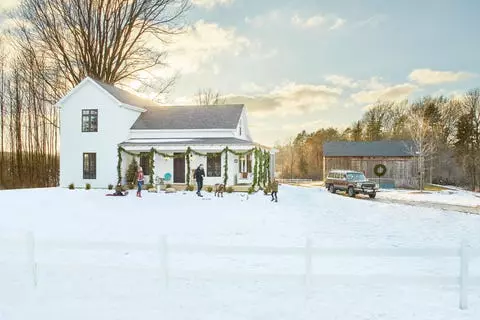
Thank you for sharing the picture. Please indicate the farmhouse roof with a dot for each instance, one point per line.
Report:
(158, 117)
(125, 96)
(189, 117)
(385, 148)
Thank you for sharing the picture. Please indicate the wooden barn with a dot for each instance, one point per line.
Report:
(397, 156)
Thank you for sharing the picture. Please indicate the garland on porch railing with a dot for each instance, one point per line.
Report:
(225, 167)
(258, 178)
(266, 180)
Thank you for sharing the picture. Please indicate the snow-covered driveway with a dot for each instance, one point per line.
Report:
(98, 257)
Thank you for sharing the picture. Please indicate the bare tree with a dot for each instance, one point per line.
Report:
(111, 40)
(423, 139)
(208, 97)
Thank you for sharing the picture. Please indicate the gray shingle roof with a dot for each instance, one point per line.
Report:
(386, 148)
(187, 141)
(159, 117)
(189, 117)
(126, 97)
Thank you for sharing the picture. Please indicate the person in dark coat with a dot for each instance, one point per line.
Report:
(274, 190)
(199, 174)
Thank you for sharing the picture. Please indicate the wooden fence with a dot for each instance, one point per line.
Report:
(165, 250)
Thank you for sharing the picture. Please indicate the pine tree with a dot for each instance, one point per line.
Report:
(132, 171)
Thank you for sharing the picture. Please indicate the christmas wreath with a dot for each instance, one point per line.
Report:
(380, 170)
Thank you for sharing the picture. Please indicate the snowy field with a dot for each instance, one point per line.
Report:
(230, 258)
(453, 197)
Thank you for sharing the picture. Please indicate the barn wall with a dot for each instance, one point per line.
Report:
(402, 170)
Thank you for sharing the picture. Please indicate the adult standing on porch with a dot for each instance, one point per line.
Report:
(139, 181)
(199, 174)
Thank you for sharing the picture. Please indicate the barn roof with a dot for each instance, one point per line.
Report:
(385, 148)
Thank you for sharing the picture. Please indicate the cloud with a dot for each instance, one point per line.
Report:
(200, 44)
(263, 19)
(373, 21)
(317, 21)
(429, 77)
(8, 4)
(395, 92)
(251, 87)
(209, 4)
(341, 81)
(339, 22)
(290, 98)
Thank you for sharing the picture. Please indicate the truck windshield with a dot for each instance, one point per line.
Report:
(356, 177)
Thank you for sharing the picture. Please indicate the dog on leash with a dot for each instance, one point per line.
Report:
(219, 189)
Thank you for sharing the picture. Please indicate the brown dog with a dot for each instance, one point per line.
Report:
(219, 188)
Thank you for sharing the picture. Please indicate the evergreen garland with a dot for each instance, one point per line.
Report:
(255, 169)
(260, 169)
(225, 167)
(267, 176)
(151, 162)
(261, 172)
(187, 155)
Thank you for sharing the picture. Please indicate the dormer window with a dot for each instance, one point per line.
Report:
(90, 120)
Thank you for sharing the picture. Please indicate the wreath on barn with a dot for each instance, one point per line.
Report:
(380, 170)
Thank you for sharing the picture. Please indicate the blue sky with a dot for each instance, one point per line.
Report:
(309, 64)
(297, 71)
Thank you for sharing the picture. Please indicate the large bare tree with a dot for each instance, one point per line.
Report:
(111, 40)
(208, 97)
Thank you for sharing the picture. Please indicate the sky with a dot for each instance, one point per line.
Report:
(303, 65)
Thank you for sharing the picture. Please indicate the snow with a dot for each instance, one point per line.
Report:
(453, 197)
(99, 257)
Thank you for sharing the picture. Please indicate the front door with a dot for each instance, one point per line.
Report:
(178, 169)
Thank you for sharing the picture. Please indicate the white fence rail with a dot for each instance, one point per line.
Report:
(165, 250)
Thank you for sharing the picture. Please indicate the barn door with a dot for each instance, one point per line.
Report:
(178, 169)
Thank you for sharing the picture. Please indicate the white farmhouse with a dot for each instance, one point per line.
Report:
(99, 122)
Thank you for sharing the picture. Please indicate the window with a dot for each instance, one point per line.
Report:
(89, 166)
(214, 165)
(145, 163)
(90, 120)
(245, 164)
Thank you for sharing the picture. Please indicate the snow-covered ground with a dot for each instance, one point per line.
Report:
(100, 257)
(454, 197)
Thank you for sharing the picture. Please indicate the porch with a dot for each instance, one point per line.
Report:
(175, 163)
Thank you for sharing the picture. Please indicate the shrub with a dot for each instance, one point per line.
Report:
(110, 186)
(229, 189)
(209, 189)
(190, 187)
(88, 186)
(251, 190)
(168, 185)
(124, 188)
(149, 186)
(71, 186)
(131, 186)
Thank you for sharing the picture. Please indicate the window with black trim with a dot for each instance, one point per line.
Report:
(89, 166)
(214, 165)
(90, 120)
(145, 163)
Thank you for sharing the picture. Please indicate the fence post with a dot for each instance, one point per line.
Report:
(164, 259)
(31, 257)
(464, 260)
(308, 263)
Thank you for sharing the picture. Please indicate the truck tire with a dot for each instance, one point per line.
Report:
(351, 192)
(372, 195)
(331, 188)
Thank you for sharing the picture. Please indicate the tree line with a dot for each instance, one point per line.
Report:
(446, 131)
(55, 44)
